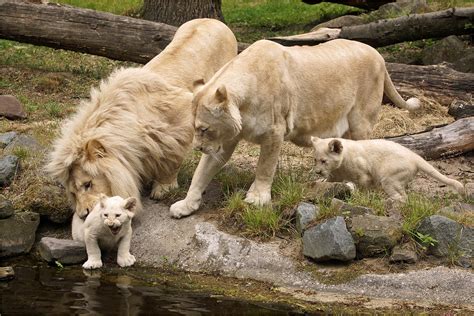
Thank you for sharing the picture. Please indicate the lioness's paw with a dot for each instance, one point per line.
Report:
(258, 198)
(92, 264)
(159, 189)
(126, 260)
(183, 208)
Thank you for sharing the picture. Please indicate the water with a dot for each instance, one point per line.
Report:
(46, 290)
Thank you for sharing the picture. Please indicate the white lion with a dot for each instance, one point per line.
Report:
(108, 225)
(373, 163)
(138, 126)
(271, 93)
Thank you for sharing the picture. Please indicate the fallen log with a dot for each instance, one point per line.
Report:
(447, 141)
(455, 21)
(363, 4)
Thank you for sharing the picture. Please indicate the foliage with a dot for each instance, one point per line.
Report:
(370, 199)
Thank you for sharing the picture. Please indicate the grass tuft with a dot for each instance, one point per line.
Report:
(370, 199)
(415, 210)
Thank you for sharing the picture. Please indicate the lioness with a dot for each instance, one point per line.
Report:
(271, 93)
(373, 163)
(109, 225)
(137, 127)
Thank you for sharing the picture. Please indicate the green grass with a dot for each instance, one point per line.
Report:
(416, 209)
(287, 190)
(121, 7)
(370, 199)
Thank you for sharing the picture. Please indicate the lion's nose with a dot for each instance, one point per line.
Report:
(198, 148)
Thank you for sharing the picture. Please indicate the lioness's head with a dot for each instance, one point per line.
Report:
(115, 211)
(327, 155)
(217, 118)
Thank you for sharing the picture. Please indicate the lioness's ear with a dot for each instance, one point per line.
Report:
(130, 205)
(335, 146)
(94, 150)
(198, 84)
(221, 94)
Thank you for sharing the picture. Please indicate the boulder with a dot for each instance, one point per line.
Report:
(328, 190)
(305, 214)
(449, 49)
(329, 241)
(344, 208)
(8, 167)
(6, 208)
(403, 254)
(375, 235)
(17, 233)
(451, 237)
(24, 141)
(49, 201)
(63, 250)
(389, 10)
(346, 20)
(465, 63)
(460, 109)
(6, 138)
(11, 108)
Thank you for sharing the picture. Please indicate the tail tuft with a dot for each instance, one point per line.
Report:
(413, 104)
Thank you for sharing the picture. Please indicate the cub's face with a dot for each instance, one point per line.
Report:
(116, 211)
(216, 121)
(327, 155)
(84, 190)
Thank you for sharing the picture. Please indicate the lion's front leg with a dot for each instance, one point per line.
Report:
(124, 257)
(260, 191)
(205, 171)
(94, 259)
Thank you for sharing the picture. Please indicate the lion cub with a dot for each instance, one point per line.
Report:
(372, 163)
(108, 225)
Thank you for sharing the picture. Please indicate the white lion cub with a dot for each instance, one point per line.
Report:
(372, 163)
(108, 225)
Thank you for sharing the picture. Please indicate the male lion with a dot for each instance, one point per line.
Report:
(270, 93)
(137, 127)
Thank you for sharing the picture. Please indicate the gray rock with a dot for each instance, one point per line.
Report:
(329, 241)
(24, 141)
(344, 208)
(8, 167)
(6, 208)
(452, 237)
(465, 63)
(346, 20)
(414, 6)
(6, 273)
(449, 49)
(375, 235)
(63, 250)
(328, 190)
(403, 254)
(389, 10)
(49, 201)
(6, 139)
(305, 213)
(17, 233)
(461, 109)
(11, 108)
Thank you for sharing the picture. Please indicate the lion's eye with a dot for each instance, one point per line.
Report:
(323, 161)
(117, 215)
(88, 185)
(203, 129)
(106, 214)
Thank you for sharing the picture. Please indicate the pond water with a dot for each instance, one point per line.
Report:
(44, 290)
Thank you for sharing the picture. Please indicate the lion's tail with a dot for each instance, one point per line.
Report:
(411, 104)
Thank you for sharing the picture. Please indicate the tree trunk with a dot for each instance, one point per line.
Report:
(177, 12)
(455, 21)
(447, 141)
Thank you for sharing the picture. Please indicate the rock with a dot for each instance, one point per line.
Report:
(63, 250)
(329, 241)
(414, 6)
(328, 190)
(6, 138)
(375, 235)
(449, 49)
(17, 233)
(6, 273)
(305, 214)
(6, 208)
(452, 238)
(11, 108)
(49, 201)
(8, 167)
(464, 262)
(403, 254)
(461, 109)
(346, 20)
(24, 141)
(389, 10)
(465, 63)
(344, 208)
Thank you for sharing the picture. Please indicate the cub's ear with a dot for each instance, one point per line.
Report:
(130, 205)
(335, 146)
(315, 139)
(198, 84)
(221, 94)
(94, 150)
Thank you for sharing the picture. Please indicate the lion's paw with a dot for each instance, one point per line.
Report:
(183, 208)
(92, 264)
(126, 260)
(258, 197)
(159, 189)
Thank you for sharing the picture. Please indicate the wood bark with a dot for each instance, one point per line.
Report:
(455, 21)
(441, 142)
(177, 12)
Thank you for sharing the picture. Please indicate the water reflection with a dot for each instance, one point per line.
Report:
(49, 291)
